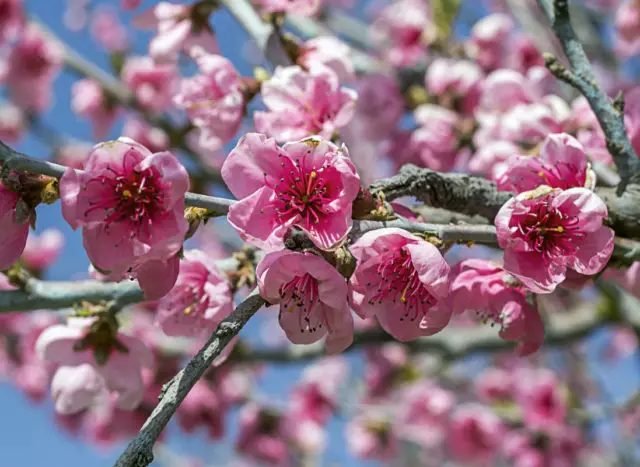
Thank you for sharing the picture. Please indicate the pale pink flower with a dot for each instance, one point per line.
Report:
(213, 100)
(89, 100)
(489, 160)
(531, 123)
(488, 40)
(330, 52)
(476, 433)
(11, 19)
(262, 435)
(401, 280)
(73, 154)
(306, 435)
(542, 400)
(153, 138)
(627, 24)
(309, 184)
(152, 84)
(296, 7)
(424, 414)
(589, 133)
(32, 65)
(108, 31)
(380, 106)
(460, 80)
(371, 436)
(203, 406)
(480, 286)
(41, 251)
(198, 302)
(12, 123)
(503, 89)
(494, 385)
(13, 230)
(304, 103)
(436, 138)
(175, 31)
(316, 396)
(130, 204)
(562, 163)
(76, 388)
(312, 296)
(546, 231)
(405, 29)
(121, 373)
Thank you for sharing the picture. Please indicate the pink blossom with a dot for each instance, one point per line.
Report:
(524, 54)
(402, 280)
(459, 79)
(542, 400)
(436, 139)
(304, 103)
(203, 406)
(11, 19)
(41, 251)
(130, 4)
(330, 52)
(309, 184)
(494, 385)
(213, 100)
(490, 159)
(562, 163)
(385, 366)
(405, 29)
(153, 138)
(296, 7)
(480, 286)
(627, 24)
(32, 65)
(503, 89)
(589, 133)
(153, 84)
(371, 436)
(316, 396)
(89, 100)
(72, 345)
(13, 230)
(130, 204)
(262, 435)
(424, 414)
(380, 106)
(312, 296)
(12, 123)
(488, 40)
(73, 154)
(198, 302)
(107, 31)
(476, 433)
(176, 30)
(546, 231)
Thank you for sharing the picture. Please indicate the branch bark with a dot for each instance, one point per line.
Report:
(139, 452)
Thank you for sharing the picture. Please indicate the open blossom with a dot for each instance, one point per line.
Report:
(380, 107)
(309, 184)
(316, 396)
(330, 52)
(176, 30)
(13, 231)
(483, 287)
(490, 159)
(562, 163)
(542, 400)
(494, 385)
(546, 231)
(436, 139)
(11, 19)
(153, 84)
(386, 365)
(262, 435)
(89, 100)
(203, 406)
(115, 359)
(476, 433)
(459, 80)
(303, 103)
(312, 296)
(296, 7)
(130, 205)
(213, 100)
(401, 280)
(32, 65)
(198, 302)
(488, 40)
(371, 435)
(108, 31)
(41, 251)
(153, 138)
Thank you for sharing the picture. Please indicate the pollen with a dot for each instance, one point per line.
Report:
(126, 193)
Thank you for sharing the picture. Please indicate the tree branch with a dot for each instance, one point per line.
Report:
(581, 76)
(139, 451)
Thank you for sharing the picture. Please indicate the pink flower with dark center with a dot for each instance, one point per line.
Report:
(546, 231)
(494, 385)
(562, 163)
(312, 296)
(458, 81)
(304, 103)
(11, 19)
(198, 302)
(402, 280)
(130, 204)
(153, 84)
(13, 230)
(316, 396)
(203, 407)
(309, 185)
(262, 435)
(542, 400)
(213, 100)
(476, 433)
(41, 251)
(296, 7)
(386, 364)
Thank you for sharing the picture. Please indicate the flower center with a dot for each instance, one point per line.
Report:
(399, 281)
(302, 293)
(129, 195)
(560, 175)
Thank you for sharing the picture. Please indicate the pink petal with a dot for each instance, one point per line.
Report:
(157, 277)
(530, 269)
(109, 249)
(594, 251)
(173, 172)
(55, 344)
(76, 388)
(13, 238)
(432, 268)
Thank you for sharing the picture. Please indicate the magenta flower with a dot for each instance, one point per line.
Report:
(70, 346)
(476, 433)
(562, 163)
(402, 280)
(11, 19)
(546, 231)
(312, 296)
(41, 251)
(153, 84)
(304, 103)
(213, 100)
(13, 231)
(198, 302)
(309, 184)
(296, 7)
(130, 205)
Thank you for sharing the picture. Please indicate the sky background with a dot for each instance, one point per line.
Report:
(28, 433)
